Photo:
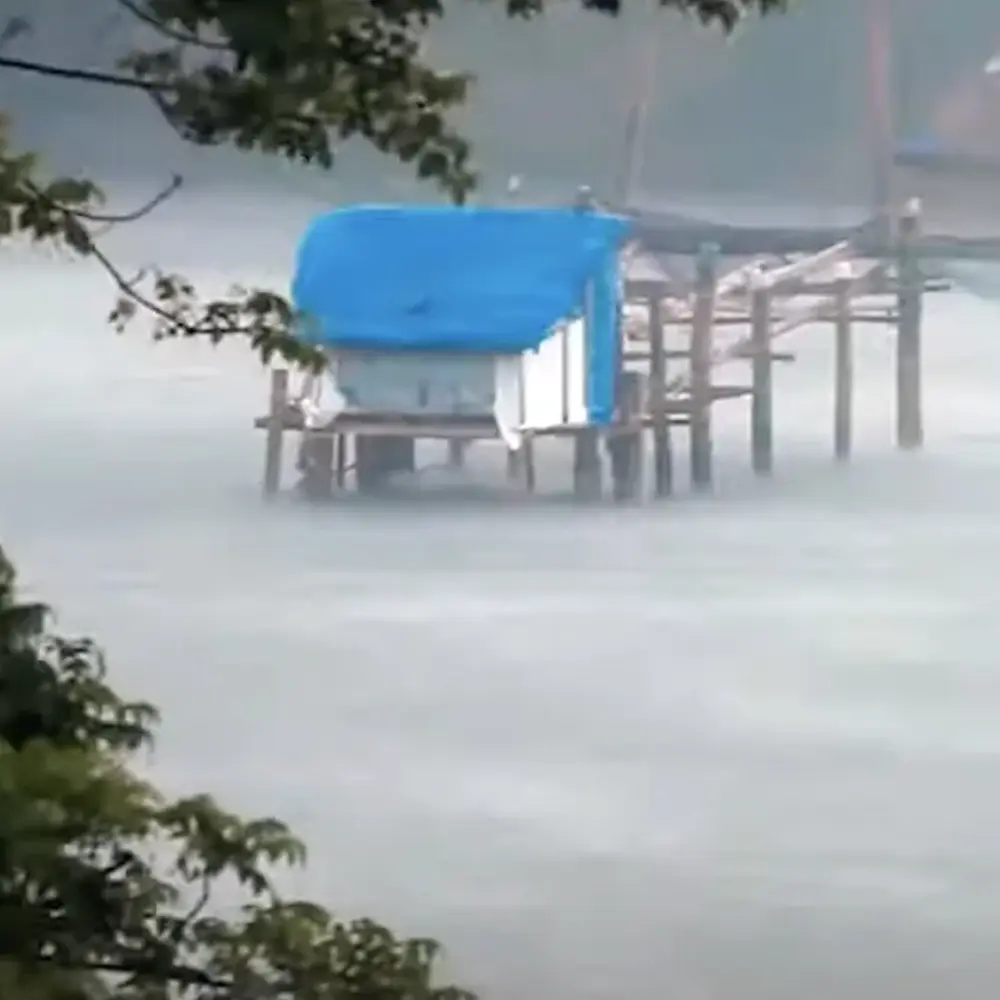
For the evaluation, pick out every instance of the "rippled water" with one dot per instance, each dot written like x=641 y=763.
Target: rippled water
x=744 y=746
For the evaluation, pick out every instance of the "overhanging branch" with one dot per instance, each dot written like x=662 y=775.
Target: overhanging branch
x=127 y=288
x=183 y=37
x=158 y=90
x=112 y=218
x=181 y=975
x=83 y=75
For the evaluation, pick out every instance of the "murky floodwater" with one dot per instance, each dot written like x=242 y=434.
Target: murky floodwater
x=740 y=747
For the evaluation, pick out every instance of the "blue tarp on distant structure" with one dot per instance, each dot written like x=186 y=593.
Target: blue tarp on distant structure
x=928 y=152
x=484 y=280
x=919 y=149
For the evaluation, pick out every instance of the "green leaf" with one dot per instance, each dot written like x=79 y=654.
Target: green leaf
x=70 y=191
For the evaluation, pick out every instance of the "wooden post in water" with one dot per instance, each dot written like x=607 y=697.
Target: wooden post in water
x=587 y=464
x=586 y=441
x=663 y=471
x=909 y=416
x=527 y=461
x=638 y=395
x=456 y=453
x=521 y=464
x=513 y=465
x=317 y=456
x=340 y=460
x=701 y=367
x=625 y=444
x=275 y=431
x=762 y=380
x=843 y=385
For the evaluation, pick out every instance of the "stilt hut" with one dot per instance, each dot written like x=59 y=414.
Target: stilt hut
x=457 y=323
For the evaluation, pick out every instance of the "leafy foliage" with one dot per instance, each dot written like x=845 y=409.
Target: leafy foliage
x=725 y=13
x=288 y=79
x=66 y=211
x=106 y=885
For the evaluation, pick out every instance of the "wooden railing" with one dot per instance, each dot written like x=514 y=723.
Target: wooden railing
x=836 y=285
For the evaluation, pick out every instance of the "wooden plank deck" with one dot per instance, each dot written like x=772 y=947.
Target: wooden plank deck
x=445 y=428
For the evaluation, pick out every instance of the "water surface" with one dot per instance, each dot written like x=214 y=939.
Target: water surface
x=741 y=747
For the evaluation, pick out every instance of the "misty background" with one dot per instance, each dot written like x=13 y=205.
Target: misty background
x=739 y=747
x=779 y=109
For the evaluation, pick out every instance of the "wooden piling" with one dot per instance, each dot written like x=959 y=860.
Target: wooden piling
x=663 y=472
x=638 y=395
x=318 y=457
x=513 y=465
x=762 y=377
x=456 y=454
x=275 y=432
x=701 y=367
x=340 y=460
x=625 y=445
x=527 y=463
x=521 y=464
x=843 y=377
x=586 y=464
x=909 y=416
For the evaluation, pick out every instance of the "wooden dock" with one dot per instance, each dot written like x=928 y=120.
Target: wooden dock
x=725 y=316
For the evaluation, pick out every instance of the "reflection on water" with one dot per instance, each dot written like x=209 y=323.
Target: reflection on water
x=744 y=746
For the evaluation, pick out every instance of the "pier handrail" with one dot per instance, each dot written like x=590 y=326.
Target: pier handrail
x=809 y=267
x=754 y=279
x=741 y=280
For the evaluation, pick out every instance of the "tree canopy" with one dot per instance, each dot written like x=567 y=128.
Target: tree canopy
x=108 y=888
x=294 y=80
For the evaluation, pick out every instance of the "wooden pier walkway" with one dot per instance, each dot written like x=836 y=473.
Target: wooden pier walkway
x=741 y=315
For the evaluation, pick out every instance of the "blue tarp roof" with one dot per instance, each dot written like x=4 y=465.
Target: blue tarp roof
x=449 y=279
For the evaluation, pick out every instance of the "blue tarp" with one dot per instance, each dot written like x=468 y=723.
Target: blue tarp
x=920 y=147
x=489 y=280
x=930 y=153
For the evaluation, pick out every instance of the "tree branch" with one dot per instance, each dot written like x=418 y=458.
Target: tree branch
x=182 y=975
x=124 y=286
x=204 y=895
x=264 y=318
x=84 y=75
x=183 y=37
x=115 y=218
x=129 y=290
x=156 y=89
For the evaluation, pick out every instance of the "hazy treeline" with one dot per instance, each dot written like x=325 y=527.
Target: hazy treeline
x=779 y=107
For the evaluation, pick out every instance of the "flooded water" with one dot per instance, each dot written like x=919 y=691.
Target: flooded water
x=743 y=746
